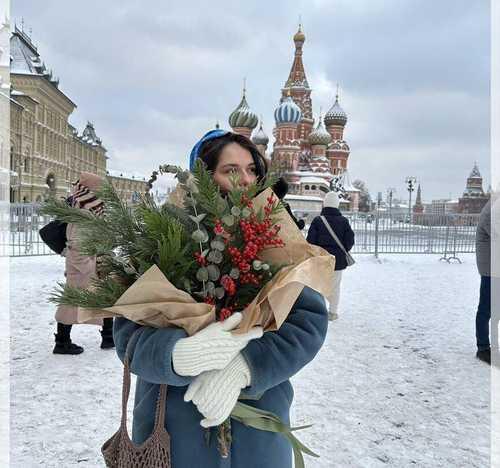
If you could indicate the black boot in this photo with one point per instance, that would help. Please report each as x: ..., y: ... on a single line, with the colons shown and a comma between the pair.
x: 64, y: 345
x: 484, y: 355
x: 107, y: 334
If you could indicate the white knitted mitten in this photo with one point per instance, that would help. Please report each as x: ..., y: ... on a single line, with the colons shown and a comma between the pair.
x: 211, y: 348
x: 216, y: 392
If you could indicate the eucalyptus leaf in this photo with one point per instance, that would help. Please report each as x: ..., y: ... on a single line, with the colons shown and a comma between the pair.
x: 245, y: 212
x: 228, y: 220
x: 205, y: 236
x: 235, y: 211
x: 222, y: 204
x: 219, y: 293
x: 213, y: 272
x: 198, y: 219
x: 265, y: 266
x: 192, y: 186
x: 234, y: 273
x: 218, y: 245
x: 198, y: 235
x: 215, y: 256
x: 257, y: 265
x: 202, y: 274
x: 211, y: 288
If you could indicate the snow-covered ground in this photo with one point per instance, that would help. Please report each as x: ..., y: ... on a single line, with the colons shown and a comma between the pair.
x: 395, y: 385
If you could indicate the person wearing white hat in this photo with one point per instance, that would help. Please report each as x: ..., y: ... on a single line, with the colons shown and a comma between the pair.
x: 331, y: 219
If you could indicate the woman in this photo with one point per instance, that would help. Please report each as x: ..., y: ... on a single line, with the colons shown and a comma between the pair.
x: 80, y: 269
x: 319, y: 235
x: 207, y: 372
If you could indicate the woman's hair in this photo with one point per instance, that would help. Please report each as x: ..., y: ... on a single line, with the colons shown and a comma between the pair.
x: 211, y: 150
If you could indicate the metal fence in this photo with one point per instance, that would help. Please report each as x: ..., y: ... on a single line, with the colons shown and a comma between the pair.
x: 448, y: 235
x: 23, y: 238
x: 445, y: 234
x: 376, y: 233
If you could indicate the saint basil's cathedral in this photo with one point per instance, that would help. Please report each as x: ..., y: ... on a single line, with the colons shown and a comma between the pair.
x: 310, y: 156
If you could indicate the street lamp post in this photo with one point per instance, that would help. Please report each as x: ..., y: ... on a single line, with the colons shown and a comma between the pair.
x: 390, y: 194
x: 20, y: 169
x: 410, y: 186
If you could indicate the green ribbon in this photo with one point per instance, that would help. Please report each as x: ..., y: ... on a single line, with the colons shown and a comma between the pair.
x: 267, y: 421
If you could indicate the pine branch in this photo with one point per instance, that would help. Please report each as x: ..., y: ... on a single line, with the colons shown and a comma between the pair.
x: 103, y: 293
x: 119, y: 217
x: 94, y: 235
x: 208, y: 196
x: 60, y: 210
x: 174, y: 256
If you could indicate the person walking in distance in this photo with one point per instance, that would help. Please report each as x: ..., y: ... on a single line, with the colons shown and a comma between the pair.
x: 319, y: 235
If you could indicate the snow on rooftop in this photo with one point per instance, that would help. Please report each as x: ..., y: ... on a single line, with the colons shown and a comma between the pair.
x: 303, y: 197
x: 307, y: 173
x: 313, y: 180
x: 127, y: 175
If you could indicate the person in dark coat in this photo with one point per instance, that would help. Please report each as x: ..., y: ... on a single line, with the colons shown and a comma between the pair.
x: 208, y: 372
x: 483, y: 261
x: 318, y: 235
x: 280, y: 188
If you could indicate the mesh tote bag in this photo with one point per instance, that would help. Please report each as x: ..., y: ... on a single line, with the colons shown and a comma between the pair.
x: 120, y: 452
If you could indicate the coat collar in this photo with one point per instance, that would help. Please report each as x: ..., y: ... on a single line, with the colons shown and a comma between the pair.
x: 331, y: 211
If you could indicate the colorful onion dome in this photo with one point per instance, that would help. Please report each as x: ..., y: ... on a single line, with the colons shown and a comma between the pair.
x: 242, y: 116
x: 319, y: 136
x: 287, y: 112
x: 336, y: 115
x: 260, y: 138
x: 299, y: 35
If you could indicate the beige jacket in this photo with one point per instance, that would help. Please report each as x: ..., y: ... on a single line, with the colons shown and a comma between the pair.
x: 80, y: 269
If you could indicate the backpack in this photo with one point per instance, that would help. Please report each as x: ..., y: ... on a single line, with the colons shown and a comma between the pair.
x: 54, y: 233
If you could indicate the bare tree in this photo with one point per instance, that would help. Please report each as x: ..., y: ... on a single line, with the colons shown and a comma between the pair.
x: 365, y: 200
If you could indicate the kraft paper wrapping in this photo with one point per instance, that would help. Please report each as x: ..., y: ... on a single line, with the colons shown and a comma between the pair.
x: 152, y: 300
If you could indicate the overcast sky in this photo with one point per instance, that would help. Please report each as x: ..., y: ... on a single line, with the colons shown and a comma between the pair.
x: 154, y: 76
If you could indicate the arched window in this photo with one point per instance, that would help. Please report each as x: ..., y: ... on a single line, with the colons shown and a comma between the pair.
x: 51, y: 182
x: 313, y: 187
x: 306, y: 187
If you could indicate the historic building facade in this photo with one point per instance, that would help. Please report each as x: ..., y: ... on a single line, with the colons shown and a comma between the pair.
x: 47, y: 153
x: 4, y: 110
x: 310, y: 156
x: 474, y: 198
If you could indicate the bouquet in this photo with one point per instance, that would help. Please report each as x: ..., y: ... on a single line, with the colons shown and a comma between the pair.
x: 194, y: 260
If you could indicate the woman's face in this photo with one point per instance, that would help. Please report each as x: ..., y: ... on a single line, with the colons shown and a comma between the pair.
x: 234, y: 160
